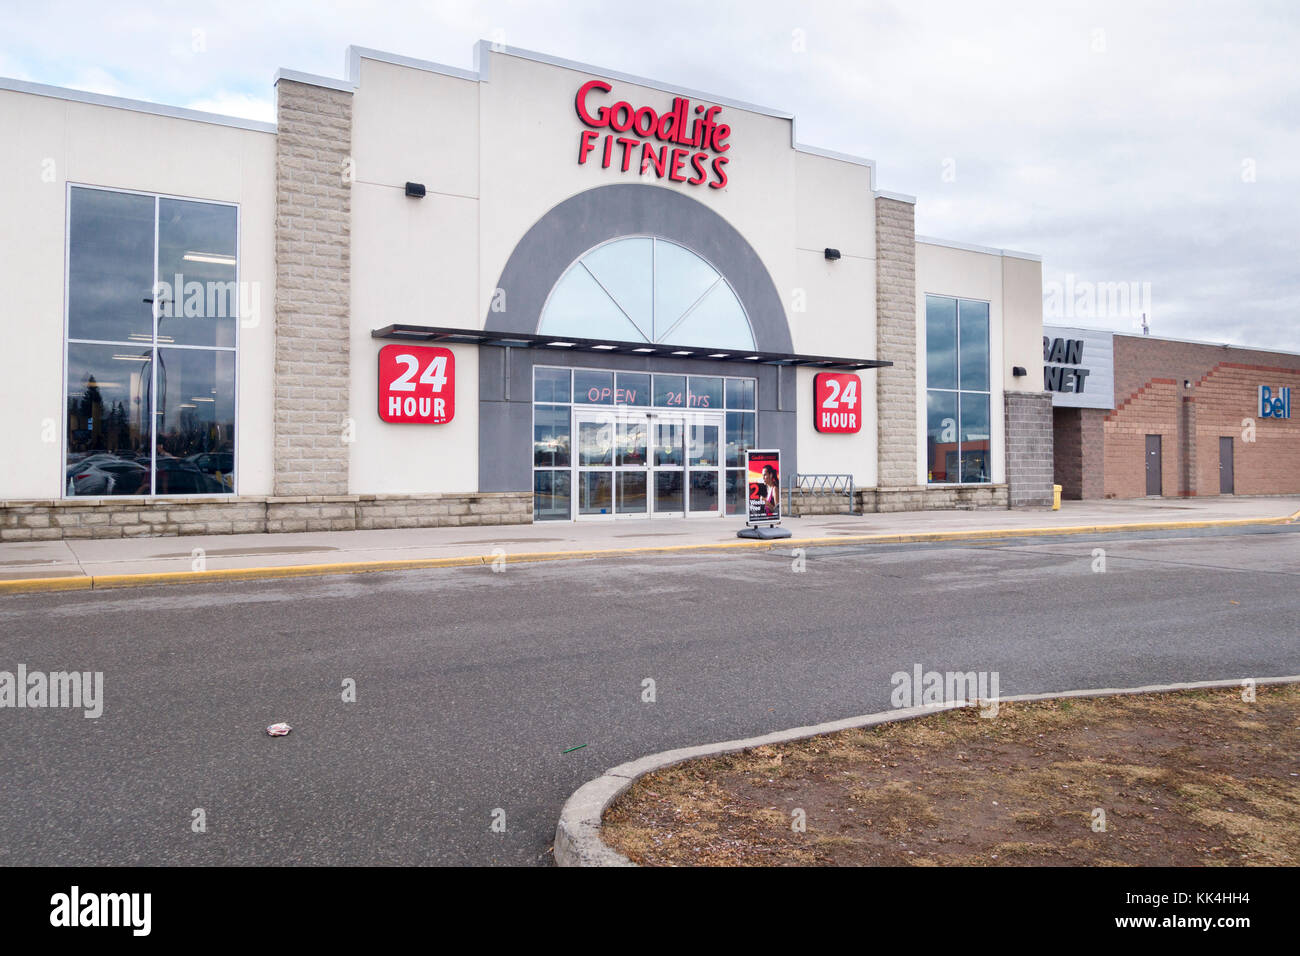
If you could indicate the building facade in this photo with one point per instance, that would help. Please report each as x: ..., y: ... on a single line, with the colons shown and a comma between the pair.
x: 1165, y: 417
x: 535, y: 290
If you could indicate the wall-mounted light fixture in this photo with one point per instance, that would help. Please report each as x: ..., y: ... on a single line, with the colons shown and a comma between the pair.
x: 1187, y: 383
x: 415, y: 190
x: 832, y: 254
x: 1018, y: 371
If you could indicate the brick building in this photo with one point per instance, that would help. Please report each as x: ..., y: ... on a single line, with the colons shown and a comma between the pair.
x: 533, y: 290
x: 1185, y: 419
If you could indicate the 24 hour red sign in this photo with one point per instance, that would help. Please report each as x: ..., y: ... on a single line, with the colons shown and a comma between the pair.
x: 417, y: 384
x: 837, y: 398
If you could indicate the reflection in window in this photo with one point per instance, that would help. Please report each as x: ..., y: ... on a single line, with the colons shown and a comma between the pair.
x: 144, y: 418
x: 551, y: 436
x: 593, y: 388
x: 958, y: 436
x: 196, y: 273
x: 642, y: 289
x: 110, y: 266
x: 551, y: 495
x: 704, y: 392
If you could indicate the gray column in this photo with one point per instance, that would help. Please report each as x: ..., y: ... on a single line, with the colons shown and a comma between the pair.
x: 1028, y: 417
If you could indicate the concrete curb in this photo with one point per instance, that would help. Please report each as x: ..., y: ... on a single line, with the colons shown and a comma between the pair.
x: 577, y: 834
x: 104, y: 581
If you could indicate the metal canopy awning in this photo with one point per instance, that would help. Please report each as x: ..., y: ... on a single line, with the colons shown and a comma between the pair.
x: 520, y: 340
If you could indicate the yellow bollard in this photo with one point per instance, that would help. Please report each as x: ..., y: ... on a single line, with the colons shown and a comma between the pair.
x: 1056, y: 497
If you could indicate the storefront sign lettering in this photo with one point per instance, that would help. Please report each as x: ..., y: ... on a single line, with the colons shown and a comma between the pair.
x: 692, y: 145
x: 417, y: 384
x: 1274, y: 404
x: 837, y: 403
x: 1064, y: 352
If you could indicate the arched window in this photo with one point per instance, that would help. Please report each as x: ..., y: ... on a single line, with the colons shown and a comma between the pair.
x: 647, y: 289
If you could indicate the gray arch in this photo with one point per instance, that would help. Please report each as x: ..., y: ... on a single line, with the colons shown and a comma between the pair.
x: 597, y: 215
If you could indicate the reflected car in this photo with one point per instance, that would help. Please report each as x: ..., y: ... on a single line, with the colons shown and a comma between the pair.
x: 176, y: 476
x: 84, y: 478
x: 213, y: 461
x: 102, y: 473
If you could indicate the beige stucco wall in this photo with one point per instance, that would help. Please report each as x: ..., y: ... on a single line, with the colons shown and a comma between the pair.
x: 49, y: 143
x: 415, y: 262
x: 495, y: 157
x: 1022, y: 323
x: 1007, y: 284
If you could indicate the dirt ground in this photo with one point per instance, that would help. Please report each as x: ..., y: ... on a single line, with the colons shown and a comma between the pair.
x: 1192, y: 778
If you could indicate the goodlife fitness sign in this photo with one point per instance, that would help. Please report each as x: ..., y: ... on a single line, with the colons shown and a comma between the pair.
x: 685, y: 144
x: 417, y: 384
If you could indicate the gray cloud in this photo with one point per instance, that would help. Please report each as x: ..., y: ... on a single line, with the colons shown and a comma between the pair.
x: 1111, y: 139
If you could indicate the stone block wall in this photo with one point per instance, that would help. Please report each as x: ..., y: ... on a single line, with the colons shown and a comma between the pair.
x: 896, y: 397
x: 887, y: 500
x: 312, y: 295
x: 1028, y: 417
x: 46, y: 519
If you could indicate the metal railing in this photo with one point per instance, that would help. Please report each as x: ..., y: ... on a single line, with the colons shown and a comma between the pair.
x: 819, y: 485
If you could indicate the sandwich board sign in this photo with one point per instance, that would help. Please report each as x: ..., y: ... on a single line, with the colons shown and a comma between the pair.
x: 763, y: 495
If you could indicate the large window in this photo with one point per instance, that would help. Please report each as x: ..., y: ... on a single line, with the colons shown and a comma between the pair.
x: 644, y: 289
x: 152, y: 320
x: 957, y: 394
x: 557, y: 390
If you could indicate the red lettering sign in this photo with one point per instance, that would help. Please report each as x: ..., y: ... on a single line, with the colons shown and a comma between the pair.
x: 417, y: 384
x: 694, y: 144
x: 837, y: 403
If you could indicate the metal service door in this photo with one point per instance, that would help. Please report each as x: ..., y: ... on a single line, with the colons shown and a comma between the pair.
x: 1153, y: 465
x: 1226, y: 483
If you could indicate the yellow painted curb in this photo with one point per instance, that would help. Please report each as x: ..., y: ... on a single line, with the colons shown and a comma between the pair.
x: 282, y: 571
x: 20, y: 585
x: 107, y: 581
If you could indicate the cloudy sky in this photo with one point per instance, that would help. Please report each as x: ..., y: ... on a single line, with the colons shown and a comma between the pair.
x: 1151, y: 144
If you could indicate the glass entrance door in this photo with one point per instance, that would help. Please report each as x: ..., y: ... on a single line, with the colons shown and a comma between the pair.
x: 703, y: 459
x: 637, y: 464
x: 594, y: 464
x: 631, y: 466
x: 668, y: 454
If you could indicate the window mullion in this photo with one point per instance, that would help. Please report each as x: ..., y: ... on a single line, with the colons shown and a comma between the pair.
x: 153, y: 387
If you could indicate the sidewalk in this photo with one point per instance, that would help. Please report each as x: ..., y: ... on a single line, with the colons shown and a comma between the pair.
x: 108, y: 562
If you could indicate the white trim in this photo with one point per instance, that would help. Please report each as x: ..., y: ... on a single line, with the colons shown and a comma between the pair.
x: 1163, y: 338
x: 313, y: 79
x: 897, y: 197
x: 482, y: 74
x: 138, y: 106
x: 1054, y: 324
x: 355, y: 54
x: 971, y: 247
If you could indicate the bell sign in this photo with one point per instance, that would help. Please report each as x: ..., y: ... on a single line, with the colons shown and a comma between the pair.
x: 417, y: 384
